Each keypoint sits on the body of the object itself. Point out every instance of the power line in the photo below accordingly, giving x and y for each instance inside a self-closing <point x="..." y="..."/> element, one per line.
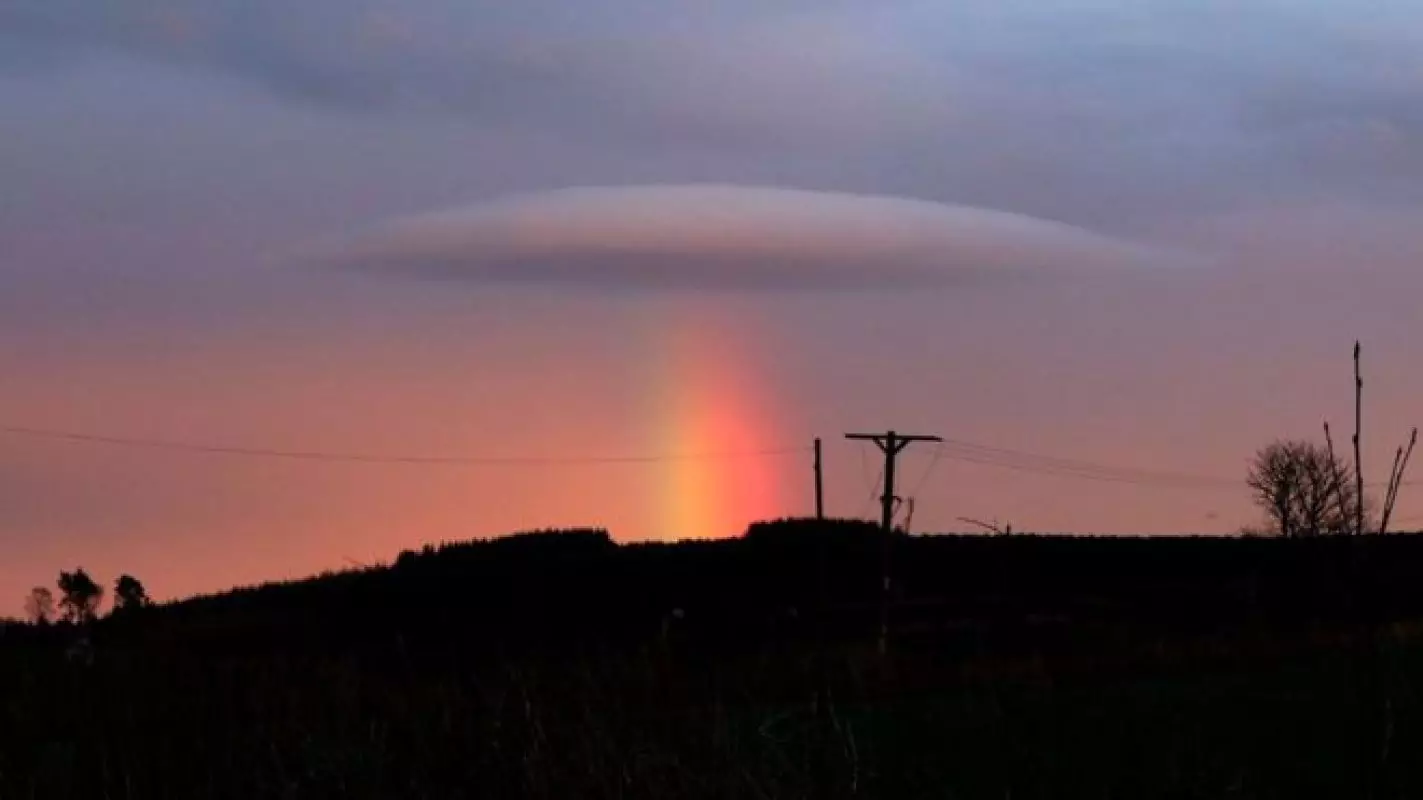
<point x="871" y="486"/>
<point x="1023" y="461"/>
<point x="974" y="453"/>
<point x="871" y="498"/>
<point x="366" y="458"/>
<point x="953" y="449"/>
<point x="1078" y="466"/>
<point x="928" y="471"/>
<point x="1092" y="476"/>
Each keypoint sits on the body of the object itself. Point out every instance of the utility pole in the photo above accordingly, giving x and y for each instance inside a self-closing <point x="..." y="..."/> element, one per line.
<point x="891" y="444"/>
<point x="1358" y="462"/>
<point x="822" y="632"/>
<point x="819" y="484"/>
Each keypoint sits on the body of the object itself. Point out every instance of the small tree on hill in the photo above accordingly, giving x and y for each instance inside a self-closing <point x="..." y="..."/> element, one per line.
<point x="39" y="606"/>
<point x="1303" y="490"/>
<point x="81" y="596"/>
<point x="129" y="594"/>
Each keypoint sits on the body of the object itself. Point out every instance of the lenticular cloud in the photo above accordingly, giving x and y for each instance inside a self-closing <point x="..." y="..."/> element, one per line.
<point x="738" y="237"/>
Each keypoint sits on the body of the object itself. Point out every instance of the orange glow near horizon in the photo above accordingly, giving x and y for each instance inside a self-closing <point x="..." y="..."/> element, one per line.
<point x="714" y="405"/>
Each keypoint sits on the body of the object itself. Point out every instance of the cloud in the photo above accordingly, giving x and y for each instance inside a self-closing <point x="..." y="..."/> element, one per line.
<point x="727" y="236"/>
<point x="1105" y="112"/>
<point x="719" y="74"/>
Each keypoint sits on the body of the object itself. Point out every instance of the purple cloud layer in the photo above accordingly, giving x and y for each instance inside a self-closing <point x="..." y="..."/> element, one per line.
<point x="698" y="236"/>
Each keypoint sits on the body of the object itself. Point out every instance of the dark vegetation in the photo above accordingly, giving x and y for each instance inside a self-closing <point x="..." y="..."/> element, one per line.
<point x="564" y="665"/>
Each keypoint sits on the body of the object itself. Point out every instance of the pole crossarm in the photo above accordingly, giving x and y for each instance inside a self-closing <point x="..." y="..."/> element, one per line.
<point x="891" y="443"/>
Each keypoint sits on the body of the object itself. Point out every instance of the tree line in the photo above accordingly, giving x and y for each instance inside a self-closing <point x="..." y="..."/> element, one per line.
<point x="80" y="598"/>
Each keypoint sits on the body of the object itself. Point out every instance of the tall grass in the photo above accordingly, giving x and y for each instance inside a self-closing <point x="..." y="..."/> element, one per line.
<point x="1208" y="720"/>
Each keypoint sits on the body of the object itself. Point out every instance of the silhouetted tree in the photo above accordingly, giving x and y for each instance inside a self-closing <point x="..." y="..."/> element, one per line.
<point x="1303" y="490"/>
<point x="81" y="596"/>
<point x="39" y="606"/>
<point x="129" y="594"/>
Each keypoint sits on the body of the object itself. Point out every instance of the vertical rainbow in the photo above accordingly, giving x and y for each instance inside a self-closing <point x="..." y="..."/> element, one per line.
<point x="713" y="404"/>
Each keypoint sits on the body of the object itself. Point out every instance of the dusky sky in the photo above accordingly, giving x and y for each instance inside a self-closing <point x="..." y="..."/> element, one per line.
<point x="1144" y="234"/>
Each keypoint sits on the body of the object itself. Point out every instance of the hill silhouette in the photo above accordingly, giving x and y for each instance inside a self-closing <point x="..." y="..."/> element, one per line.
<point x="557" y="591"/>
<point x="560" y="663"/>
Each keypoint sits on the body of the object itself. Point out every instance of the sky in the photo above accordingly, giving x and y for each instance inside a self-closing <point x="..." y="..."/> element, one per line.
<point x="507" y="266"/>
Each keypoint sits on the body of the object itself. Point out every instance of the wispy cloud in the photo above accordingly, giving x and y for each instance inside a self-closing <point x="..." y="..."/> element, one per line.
<point x="728" y="72"/>
<point x="710" y="236"/>
<point x="1189" y="104"/>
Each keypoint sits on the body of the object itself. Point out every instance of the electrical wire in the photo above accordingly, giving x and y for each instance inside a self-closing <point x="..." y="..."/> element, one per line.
<point x="928" y="471"/>
<point x="1048" y="465"/>
<point x="874" y="497"/>
<point x="972" y="451"/>
<point x="953" y="449"/>
<point x="365" y="458"/>
<point x="873" y="487"/>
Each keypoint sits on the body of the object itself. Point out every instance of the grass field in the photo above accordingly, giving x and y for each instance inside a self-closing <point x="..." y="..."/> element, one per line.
<point x="1172" y="721"/>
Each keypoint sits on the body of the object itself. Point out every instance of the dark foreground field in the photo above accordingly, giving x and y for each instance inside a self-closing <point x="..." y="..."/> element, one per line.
<point x="1032" y="668"/>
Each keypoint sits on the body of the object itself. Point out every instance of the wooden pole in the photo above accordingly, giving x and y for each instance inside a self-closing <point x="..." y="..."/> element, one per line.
<point x="1358" y="446"/>
<point x="889" y="443"/>
<point x="819" y="484"/>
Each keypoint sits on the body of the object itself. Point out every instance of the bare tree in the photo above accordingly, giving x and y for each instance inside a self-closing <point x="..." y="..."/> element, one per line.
<point x="1303" y="490"/>
<point x="1400" y="458"/>
<point x="1395" y="479"/>
<point x="39" y="606"/>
